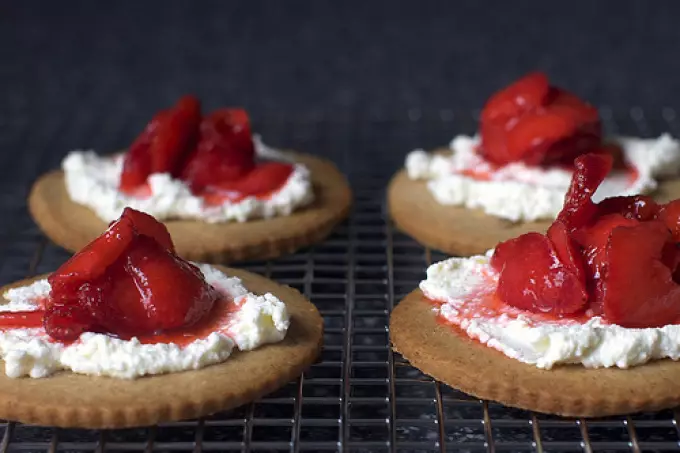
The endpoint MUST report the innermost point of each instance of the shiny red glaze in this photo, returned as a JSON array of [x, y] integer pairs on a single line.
[[225, 151], [524, 94], [669, 214], [163, 145], [126, 282], [94, 258], [638, 207], [579, 209], [567, 249], [593, 241], [639, 290], [153, 290], [532, 277], [21, 319], [92, 261], [147, 225], [532, 122], [221, 311]]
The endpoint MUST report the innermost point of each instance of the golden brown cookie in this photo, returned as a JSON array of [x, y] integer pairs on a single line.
[[73, 226], [572, 390], [460, 231], [72, 400]]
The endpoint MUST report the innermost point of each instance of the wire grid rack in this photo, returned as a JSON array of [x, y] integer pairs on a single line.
[[360, 396]]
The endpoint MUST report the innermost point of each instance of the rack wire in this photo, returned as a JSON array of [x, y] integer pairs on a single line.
[[360, 396]]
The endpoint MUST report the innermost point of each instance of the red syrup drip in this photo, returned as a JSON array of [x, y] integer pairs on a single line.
[[21, 319], [216, 320]]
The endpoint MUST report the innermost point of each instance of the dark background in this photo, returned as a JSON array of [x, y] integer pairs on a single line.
[[330, 58]]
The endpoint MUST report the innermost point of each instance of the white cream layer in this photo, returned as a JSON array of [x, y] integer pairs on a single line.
[[29, 352], [92, 180], [594, 344], [518, 192]]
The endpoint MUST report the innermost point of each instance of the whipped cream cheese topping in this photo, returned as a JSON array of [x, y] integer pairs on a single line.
[[258, 320], [460, 287], [518, 192], [92, 180]]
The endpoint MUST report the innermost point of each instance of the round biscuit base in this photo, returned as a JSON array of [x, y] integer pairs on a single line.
[[72, 226], [66, 399], [460, 231], [439, 350]]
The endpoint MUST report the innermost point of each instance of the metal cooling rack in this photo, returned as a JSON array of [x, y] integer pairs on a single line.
[[359, 396]]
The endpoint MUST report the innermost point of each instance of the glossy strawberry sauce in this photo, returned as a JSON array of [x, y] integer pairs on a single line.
[[484, 304], [218, 320]]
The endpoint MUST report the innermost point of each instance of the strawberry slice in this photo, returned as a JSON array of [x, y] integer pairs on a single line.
[[532, 277], [638, 207], [92, 261], [263, 179], [579, 209], [593, 241], [225, 151], [153, 290], [162, 145], [639, 292], [532, 136], [147, 225], [525, 94], [175, 136], [567, 249]]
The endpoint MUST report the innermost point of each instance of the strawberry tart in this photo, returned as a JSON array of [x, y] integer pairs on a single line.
[[512, 177], [128, 333], [583, 320], [223, 194]]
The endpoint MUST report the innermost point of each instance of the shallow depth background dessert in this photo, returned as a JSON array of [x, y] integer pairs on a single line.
[[362, 85]]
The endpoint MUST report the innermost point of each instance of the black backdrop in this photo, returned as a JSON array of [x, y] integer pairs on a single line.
[[332, 57]]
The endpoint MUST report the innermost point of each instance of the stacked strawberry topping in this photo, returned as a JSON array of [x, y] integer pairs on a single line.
[[618, 259], [214, 154], [533, 122], [127, 282]]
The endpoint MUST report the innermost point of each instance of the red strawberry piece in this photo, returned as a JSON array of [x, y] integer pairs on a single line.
[[594, 240], [225, 151], [589, 172], [567, 249], [264, 178], [153, 290], [525, 94], [533, 278], [639, 290], [638, 207], [582, 111], [92, 261], [163, 145], [175, 136], [533, 135], [67, 322], [137, 161], [669, 214], [145, 224]]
